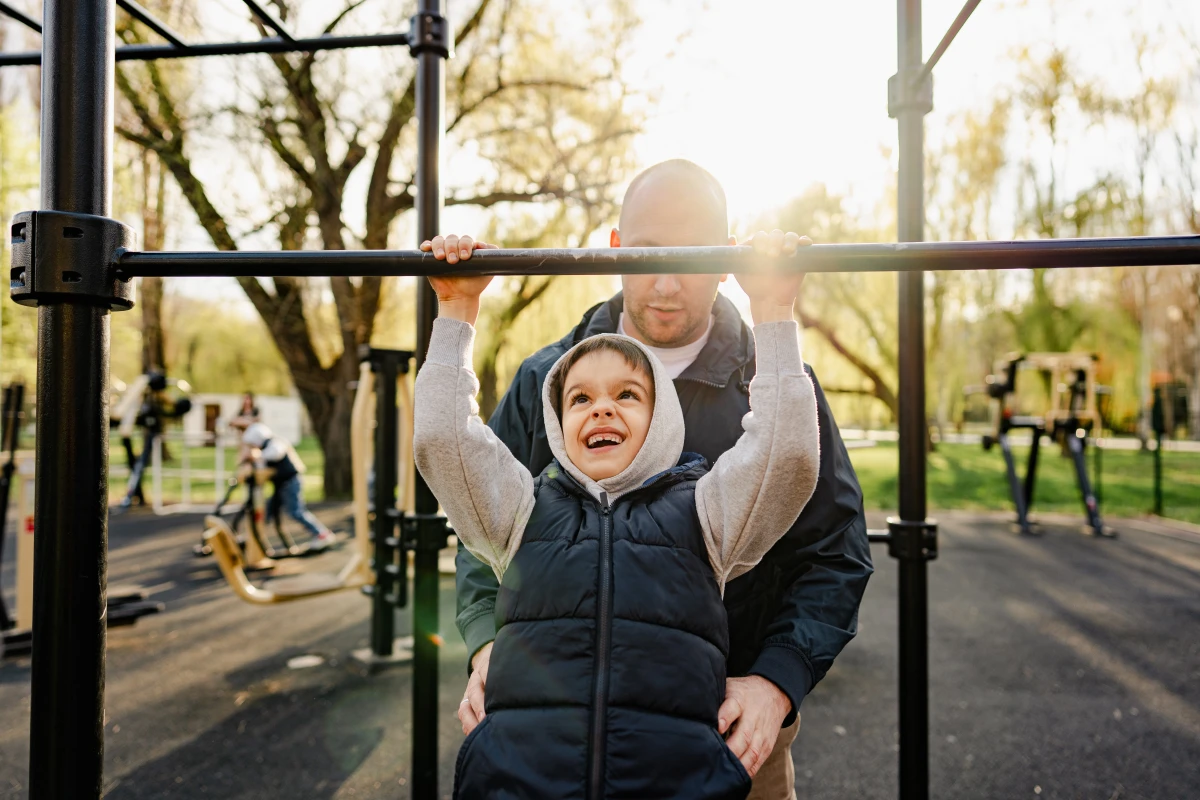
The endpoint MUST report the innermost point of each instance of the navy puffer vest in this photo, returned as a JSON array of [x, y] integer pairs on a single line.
[[609, 663], [285, 468]]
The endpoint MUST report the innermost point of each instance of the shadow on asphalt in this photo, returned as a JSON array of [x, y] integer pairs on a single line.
[[269, 748]]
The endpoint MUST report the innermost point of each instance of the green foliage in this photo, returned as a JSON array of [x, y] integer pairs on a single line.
[[18, 192], [233, 356], [1007, 166]]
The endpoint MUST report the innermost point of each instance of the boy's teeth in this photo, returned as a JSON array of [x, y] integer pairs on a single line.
[[604, 437]]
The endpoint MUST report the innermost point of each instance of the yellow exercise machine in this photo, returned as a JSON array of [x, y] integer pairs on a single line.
[[359, 571]]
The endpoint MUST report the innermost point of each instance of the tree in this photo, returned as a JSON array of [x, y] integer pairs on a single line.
[[18, 186], [1049, 95], [150, 289], [963, 179], [323, 146], [854, 313], [1149, 110]]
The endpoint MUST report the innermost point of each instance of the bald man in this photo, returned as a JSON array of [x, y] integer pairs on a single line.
[[791, 615]]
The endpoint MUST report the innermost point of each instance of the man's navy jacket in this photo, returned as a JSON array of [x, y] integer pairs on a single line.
[[792, 614]]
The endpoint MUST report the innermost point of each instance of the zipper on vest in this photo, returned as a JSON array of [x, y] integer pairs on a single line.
[[603, 654]]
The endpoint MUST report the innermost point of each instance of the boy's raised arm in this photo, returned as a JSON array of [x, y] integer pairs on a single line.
[[486, 493], [758, 488]]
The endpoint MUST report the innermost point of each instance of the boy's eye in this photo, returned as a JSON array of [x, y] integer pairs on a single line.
[[627, 394], [578, 398]]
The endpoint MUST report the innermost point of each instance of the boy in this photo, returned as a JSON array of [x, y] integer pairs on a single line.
[[272, 451], [608, 669]]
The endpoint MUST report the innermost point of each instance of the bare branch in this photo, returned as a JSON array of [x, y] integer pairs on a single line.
[[880, 388], [501, 87]]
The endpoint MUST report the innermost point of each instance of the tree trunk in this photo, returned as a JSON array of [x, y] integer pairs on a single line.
[[153, 350], [328, 399], [332, 434], [154, 193], [489, 392]]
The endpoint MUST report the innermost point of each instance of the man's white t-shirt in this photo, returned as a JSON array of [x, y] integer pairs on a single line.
[[675, 359]]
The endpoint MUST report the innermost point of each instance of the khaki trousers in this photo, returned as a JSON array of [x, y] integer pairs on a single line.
[[776, 780]]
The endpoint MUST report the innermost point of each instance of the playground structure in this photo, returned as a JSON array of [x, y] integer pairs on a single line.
[[1073, 415], [365, 566], [76, 264]]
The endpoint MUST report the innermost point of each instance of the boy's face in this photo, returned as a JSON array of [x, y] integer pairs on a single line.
[[606, 410]]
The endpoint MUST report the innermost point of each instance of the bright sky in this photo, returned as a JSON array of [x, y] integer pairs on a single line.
[[773, 95]]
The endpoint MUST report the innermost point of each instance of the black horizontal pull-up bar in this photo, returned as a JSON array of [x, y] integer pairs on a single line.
[[20, 17], [891, 257], [154, 52]]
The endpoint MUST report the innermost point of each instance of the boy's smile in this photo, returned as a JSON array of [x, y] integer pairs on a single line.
[[606, 410]]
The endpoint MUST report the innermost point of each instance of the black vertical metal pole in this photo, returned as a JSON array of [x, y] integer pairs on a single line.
[[913, 612], [1158, 470], [383, 608], [431, 99], [66, 749]]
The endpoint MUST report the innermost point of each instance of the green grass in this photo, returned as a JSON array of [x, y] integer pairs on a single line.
[[203, 459], [959, 477], [966, 477]]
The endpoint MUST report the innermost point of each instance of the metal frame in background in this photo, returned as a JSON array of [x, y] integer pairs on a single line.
[[177, 47], [78, 53], [75, 263]]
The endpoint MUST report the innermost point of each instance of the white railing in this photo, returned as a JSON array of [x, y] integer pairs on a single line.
[[223, 445]]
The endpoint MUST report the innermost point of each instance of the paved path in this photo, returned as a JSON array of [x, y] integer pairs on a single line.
[[1062, 667]]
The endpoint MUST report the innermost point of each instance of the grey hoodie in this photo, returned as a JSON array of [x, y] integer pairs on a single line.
[[747, 501]]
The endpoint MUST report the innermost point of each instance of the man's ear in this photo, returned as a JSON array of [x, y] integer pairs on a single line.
[[614, 238], [724, 278], [732, 240]]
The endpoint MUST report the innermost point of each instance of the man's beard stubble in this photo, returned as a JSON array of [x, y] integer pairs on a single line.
[[682, 332]]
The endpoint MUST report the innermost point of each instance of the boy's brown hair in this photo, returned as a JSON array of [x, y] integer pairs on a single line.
[[634, 356]]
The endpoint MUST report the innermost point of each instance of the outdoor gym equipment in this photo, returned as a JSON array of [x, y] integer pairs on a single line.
[[1073, 414], [362, 570], [76, 264], [257, 514], [257, 551]]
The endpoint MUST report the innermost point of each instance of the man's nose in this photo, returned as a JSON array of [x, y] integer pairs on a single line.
[[666, 285]]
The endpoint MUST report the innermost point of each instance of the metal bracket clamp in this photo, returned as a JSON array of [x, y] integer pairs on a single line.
[[429, 531], [61, 256], [906, 94], [430, 33], [912, 541]]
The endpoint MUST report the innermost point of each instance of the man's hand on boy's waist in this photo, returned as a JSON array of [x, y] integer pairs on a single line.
[[754, 709], [470, 710]]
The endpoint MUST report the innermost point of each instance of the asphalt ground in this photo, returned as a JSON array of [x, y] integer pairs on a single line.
[[1061, 667]]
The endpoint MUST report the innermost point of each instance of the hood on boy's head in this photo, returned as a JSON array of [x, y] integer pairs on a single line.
[[664, 439]]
